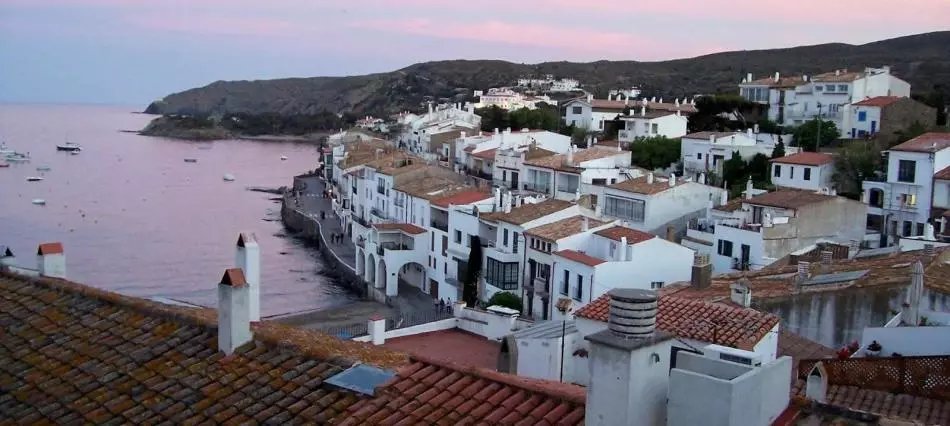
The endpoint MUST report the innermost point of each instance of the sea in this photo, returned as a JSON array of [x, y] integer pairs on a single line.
[[135, 218]]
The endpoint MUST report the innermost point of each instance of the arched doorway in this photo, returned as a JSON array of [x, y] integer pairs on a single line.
[[360, 264], [370, 276], [413, 274], [381, 275]]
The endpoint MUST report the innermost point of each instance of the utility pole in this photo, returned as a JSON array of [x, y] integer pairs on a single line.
[[818, 131]]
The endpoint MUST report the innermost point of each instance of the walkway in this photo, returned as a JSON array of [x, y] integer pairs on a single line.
[[312, 203]]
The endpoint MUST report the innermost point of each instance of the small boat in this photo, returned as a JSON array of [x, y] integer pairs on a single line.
[[4, 165], [283, 158], [191, 160], [228, 177], [69, 146], [74, 152], [43, 169], [34, 179], [39, 202], [17, 156], [4, 149]]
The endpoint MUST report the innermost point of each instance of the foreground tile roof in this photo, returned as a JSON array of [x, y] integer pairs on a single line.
[[427, 392], [805, 158], [71, 354], [467, 196], [878, 101], [564, 228], [927, 142], [633, 236], [559, 161], [642, 185], [404, 227], [718, 323], [580, 257], [943, 174], [452, 346]]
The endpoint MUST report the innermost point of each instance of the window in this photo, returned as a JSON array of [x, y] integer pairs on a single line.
[[623, 208], [566, 282], [830, 88], [791, 172], [504, 175], [908, 227], [504, 239], [501, 275], [862, 116], [699, 156], [445, 244], [807, 173], [577, 110], [432, 241], [843, 88], [906, 170], [778, 170], [458, 237], [568, 183], [613, 250], [655, 128], [656, 285], [579, 291], [514, 242], [920, 229], [725, 248], [819, 88]]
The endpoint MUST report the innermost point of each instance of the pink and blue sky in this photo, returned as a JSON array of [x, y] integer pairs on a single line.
[[133, 51]]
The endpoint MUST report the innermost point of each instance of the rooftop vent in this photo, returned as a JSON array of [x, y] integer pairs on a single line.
[[361, 378], [632, 313]]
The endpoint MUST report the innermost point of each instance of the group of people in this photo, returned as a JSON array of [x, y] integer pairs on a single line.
[[336, 237]]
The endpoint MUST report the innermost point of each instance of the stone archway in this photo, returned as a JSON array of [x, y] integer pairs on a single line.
[[381, 274], [360, 264], [370, 276], [412, 274]]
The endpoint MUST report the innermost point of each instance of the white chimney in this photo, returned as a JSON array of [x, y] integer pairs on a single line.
[[748, 189], [249, 260], [723, 197], [6, 257], [748, 132], [677, 102], [570, 155], [741, 293], [594, 141], [51, 260], [672, 180], [643, 111], [776, 76], [837, 72], [653, 99], [619, 392], [626, 100], [661, 100], [609, 96], [497, 192], [712, 139], [462, 135], [755, 128], [496, 130], [622, 250], [748, 77], [376, 326], [585, 224], [234, 324], [650, 178], [430, 107], [702, 179], [590, 98], [929, 232]]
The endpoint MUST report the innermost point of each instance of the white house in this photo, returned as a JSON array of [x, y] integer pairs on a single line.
[[651, 203], [705, 152], [566, 176], [804, 170], [454, 222], [904, 201], [477, 152], [508, 170], [508, 99], [417, 129], [641, 123], [592, 113], [616, 257]]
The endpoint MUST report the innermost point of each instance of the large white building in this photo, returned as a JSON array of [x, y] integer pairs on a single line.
[[568, 176], [705, 152], [797, 99], [508, 99], [417, 130], [641, 123], [477, 153], [653, 204], [804, 170], [592, 114]]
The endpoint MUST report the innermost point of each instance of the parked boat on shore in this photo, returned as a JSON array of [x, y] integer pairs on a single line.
[[69, 146]]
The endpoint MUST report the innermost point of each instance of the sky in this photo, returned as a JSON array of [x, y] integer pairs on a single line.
[[134, 51]]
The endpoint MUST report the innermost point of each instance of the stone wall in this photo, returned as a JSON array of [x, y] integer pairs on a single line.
[[901, 114]]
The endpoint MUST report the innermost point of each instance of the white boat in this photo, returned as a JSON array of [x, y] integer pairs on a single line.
[[69, 146], [34, 179], [228, 177], [39, 202], [17, 157], [4, 149], [283, 158], [74, 152], [43, 169]]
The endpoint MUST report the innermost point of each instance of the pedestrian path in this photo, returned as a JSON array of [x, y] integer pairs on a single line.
[[311, 203]]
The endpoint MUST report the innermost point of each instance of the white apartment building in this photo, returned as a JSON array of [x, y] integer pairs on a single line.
[[508, 170], [795, 100], [643, 124], [508, 99], [477, 153], [616, 257], [705, 152], [754, 232], [549, 84], [567, 176], [417, 129], [461, 214], [592, 113], [652, 204], [904, 202], [804, 170]]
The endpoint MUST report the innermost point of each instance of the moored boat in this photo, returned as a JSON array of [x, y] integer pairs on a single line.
[[228, 177], [33, 179], [69, 146]]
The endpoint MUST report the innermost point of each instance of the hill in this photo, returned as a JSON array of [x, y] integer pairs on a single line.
[[923, 60]]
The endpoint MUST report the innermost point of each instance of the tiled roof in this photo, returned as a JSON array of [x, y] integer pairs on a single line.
[[943, 174], [71, 354], [799, 348], [50, 248], [580, 257], [731, 205], [792, 81], [488, 154], [789, 198], [705, 135], [620, 105], [927, 142], [805, 158], [527, 212], [434, 393], [559, 161], [404, 227], [428, 187], [693, 319], [641, 185], [635, 113], [878, 101], [564, 228], [452, 346], [461, 198], [832, 77], [633, 236], [534, 152], [397, 164]]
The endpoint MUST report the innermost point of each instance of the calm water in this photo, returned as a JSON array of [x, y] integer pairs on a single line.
[[136, 219]]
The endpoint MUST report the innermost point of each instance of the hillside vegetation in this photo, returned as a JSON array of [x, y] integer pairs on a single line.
[[923, 60]]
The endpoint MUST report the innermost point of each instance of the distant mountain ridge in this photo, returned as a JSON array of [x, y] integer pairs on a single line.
[[922, 59]]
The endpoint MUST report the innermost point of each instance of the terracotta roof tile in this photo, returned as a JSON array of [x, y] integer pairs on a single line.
[[878, 101], [234, 277], [468, 196], [783, 82], [621, 105], [943, 174], [488, 154], [805, 158], [789, 198], [453, 346], [564, 228], [404, 227], [527, 212], [835, 77], [633, 236], [534, 152], [641, 185], [49, 248], [706, 135], [580, 257], [709, 322], [927, 142], [730, 206], [559, 161]]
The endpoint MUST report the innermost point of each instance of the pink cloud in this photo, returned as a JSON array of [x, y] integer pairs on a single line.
[[221, 25]]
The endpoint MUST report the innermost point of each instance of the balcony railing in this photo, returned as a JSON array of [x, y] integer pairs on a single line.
[[536, 187], [442, 226], [361, 220], [378, 213]]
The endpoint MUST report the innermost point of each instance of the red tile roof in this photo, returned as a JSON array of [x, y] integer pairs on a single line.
[[692, 319], [49, 248], [878, 101], [564, 228], [469, 148], [805, 158], [404, 227], [783, 81], [488, 154], [527, 212], [559, 161], [927, 142], [641, 185], [462, 198], [633, 236], [789, 198], [943, 174], [453, 346], [580, 257], [234, 277], [430, 392]]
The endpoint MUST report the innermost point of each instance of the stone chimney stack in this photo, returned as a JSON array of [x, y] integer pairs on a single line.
[[650, 178], [234, 324], [826, 257], [51, 260], [701, 276], [248, 259], [672, 180], [619, 392]]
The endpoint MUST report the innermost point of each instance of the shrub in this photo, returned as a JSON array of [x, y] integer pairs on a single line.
[[506, 299]]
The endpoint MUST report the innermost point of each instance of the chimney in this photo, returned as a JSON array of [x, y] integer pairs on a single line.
[[701, 276], [570, 155], [496, 130], [741, 293], [776, 76], [837, 72], [376, 326], [702, 179], [755, 128], [672, 180], [825, 257], [626, 100], [804, 269], [619, 392], [430, 107], [929, 232], [234, 324], [590, 98], [748, 132], [498, 206], [671, 233], [506, 199], [650, 178], [462, 135], [619, 146], [6, 257], [248, 259], [609, 97], [712, 138], [51, 260], [911, 310], [622, 249], [748, 189], [643, 111], [653, 99], [723, 197], [748, 77]]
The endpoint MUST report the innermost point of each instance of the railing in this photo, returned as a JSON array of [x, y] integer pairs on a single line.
[[347, 331], [361, 220], [378, 213], [391, 246], [393, 322], [535, 187], [444, 227], [927, 376]]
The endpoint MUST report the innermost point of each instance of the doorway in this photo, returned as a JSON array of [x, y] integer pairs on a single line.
[[434, 288]]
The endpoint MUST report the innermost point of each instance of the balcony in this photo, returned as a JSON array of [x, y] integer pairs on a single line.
[[362, 221], [379, 213], [442, 226], [537, 187]]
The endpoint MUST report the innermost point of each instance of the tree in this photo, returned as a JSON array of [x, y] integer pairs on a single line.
[[734, 172], [656, 152], [806, 134], [473, 272], [711, 108], [758, 169], [544, 117], [857, 160], [506, 299], [779, 150]]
